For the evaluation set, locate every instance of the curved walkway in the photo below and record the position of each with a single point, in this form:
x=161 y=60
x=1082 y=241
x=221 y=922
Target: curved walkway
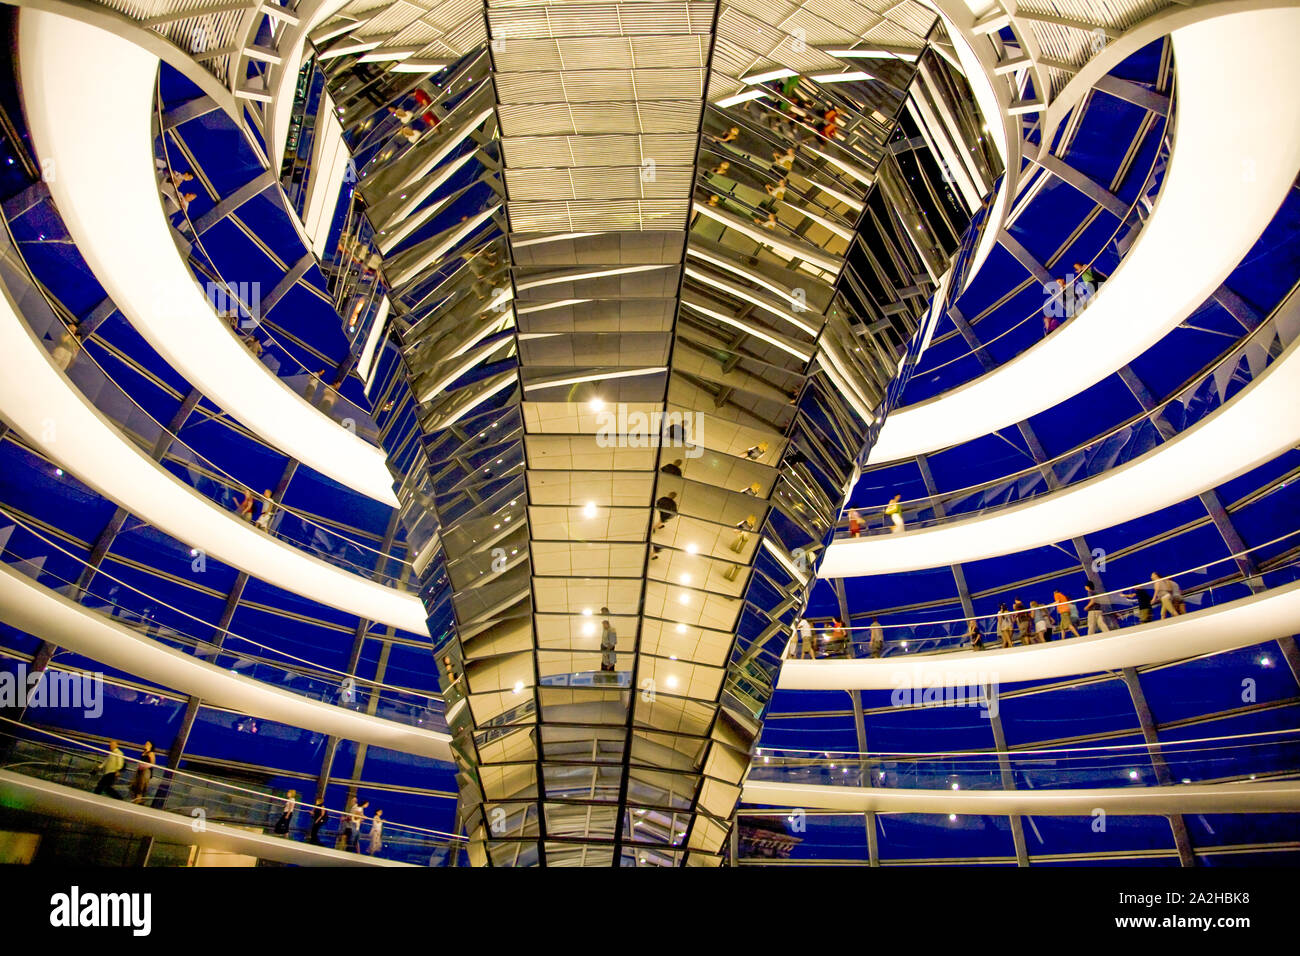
x=42 y=405
x=1236 y=156
x=52 y=617
x=1281 y=797
x=1259 y=423
x=1248 y=621
x=98 y=152
x=42 y=796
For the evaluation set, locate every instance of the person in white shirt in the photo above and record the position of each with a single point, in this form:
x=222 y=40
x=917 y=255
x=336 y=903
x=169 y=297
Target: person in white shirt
x=268 y=512
x=355 y=820
x=804 y=629
x=286 y=815
x=877 y=638
x=376 y=833
x=1168 y=594
x=1004 y=625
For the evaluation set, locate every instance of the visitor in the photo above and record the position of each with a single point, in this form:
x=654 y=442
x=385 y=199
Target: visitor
x=877 y=638
x=143 y=773
x=1096 y=609
x=667 y=506
x=1004 y=625
x=66 y=349
x=894 y=511
x=974 y=635
x=673 y=468
x=244 y=508
x=1168 y=594
x=1065 y=614
x=855 y=523
x=1054 y=308
x=1022 y=620
x=318 y=817
x=1042 y=625
x=839 y=635
x=608 y=647
x=756 y=452
x=1143 y=598
x=108 y=769
x=354 y=821
x=805 y=632
x=268 y=512
x=286 y=815
x=377 y=833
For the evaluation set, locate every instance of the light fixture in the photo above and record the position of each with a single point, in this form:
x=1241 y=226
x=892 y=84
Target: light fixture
x=596 y=404
x=692 y=548
x=681 y=628
x=740 y=98
x=589 y=629
x=519 y=686
x=1132 y=774
x=777 y=74
x=850 y=77
x=686 y=579
x=952 y=818
x=589 y=510
x=586 y=612
x=671 y=682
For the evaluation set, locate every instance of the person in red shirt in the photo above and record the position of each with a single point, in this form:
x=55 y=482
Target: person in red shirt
x=423 y=99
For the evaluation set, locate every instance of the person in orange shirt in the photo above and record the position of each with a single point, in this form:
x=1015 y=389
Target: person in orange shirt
x=1064 y=612
x=855 y=523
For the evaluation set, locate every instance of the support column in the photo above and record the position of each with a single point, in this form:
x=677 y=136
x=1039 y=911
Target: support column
x=1163 y=778
x=1007 y=777
x=864 y=768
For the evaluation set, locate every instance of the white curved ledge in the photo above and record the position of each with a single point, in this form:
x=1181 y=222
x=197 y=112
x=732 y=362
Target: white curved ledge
x=28 y=606
x=1251 y=620
x=1235 y=157
x=1259 y=423
x=98 y=154
x=1281 y=797
x=51 y=413
x=43 y=796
